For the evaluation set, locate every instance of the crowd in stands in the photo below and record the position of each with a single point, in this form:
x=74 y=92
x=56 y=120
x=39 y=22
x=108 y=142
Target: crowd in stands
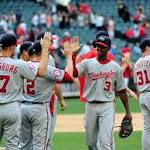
x=140 y=24
x=77 y=14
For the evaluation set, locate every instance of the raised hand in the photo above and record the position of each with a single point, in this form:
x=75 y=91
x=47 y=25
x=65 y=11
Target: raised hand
x=75 y=44
x=46 y=41
x=126 y=59
x=67 y=49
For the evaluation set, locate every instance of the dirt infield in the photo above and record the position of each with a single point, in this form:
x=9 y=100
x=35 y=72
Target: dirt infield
x=74 y=123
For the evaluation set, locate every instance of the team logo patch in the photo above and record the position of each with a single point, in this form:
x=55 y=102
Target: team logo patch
x=57 y=73
x=31 y=66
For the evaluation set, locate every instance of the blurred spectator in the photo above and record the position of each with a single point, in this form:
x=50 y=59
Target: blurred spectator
x=129 y=34
x=55 y=20
x=142 y=30
x=64 y=23
x=136 y=31
x=99 y=22
x=3 y=23
x=92 y=19
x=81 y=20
x=111 y=27
x=123 y=11
x=48 y=20
x=20 y=31
x=42 y=19
x=35 y=20
x=85 y=48
x=18 y=16
x=126 y=15
x=67 y=37
x=62 y=5
x=139 y=6
x=84 y=8
x=126 y=49
x=73 y=16
x=121 y=8
x=139 y=16
x=113 y=50
x=31 y=36
x=136 y=49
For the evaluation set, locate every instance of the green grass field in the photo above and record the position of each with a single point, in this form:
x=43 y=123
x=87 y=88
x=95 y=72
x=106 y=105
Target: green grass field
x=76 y=141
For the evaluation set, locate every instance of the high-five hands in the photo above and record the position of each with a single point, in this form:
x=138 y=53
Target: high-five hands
x=46 y=41
x=71 y=47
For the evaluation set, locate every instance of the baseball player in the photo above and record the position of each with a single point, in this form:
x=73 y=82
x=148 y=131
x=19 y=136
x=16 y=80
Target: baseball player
x=142 y=81
x=35 y=113
x=12 y=73
x=91 y=54
x=24 y=50
x=103 y=77
x=54 y=98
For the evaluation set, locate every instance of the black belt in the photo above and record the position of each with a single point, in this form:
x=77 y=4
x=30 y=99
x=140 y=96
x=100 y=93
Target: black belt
x=27 y=102
x=97 y=102
x=145 y=91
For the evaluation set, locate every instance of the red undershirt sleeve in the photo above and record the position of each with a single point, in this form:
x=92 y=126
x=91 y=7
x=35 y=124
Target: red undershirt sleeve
x=75 y=71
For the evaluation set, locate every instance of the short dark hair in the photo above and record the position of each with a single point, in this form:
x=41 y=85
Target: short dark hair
x=144 y=43
x=24 y=46
x=36 y=49
x=40 y=35
x=7 y=40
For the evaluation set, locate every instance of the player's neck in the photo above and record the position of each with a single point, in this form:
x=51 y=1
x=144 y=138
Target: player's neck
x=35 y=58
x=146 y=53
x=103 y=60
x=5 y=53
x=23 y=58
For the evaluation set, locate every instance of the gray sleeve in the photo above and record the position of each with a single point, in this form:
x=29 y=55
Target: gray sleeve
x=81 y=67
x=51 y=61
x=134 y=75
x=28 y=70
x=120 y=83
x=54 y=73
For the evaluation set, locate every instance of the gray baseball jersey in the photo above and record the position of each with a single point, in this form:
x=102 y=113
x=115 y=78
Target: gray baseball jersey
x=101 y=82
x=101 y=79
x=142 y=74
x=12 y=73
x=51 y=61
x=35 y=114
x=142 y=81
x=40 y=89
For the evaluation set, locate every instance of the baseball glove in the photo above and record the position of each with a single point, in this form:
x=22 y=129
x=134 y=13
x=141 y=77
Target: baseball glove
x=126 y=128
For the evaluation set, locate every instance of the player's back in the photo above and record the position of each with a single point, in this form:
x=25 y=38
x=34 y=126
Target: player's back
x=41 y=89
x=12 y=73
x=142 y=74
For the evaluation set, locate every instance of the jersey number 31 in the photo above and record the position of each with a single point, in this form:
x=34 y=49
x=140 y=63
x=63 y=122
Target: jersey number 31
x=142 y=77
